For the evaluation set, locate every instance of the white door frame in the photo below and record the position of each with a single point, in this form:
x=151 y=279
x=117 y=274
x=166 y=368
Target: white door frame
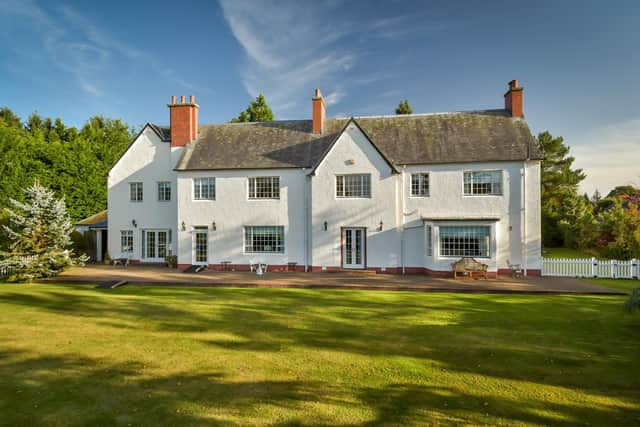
x=145 y=244
x=353 y=247
x=194 y=251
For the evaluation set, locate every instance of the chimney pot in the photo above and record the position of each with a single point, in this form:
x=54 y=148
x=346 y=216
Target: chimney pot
x=513 y=100
x=183 y=121
x=318 y=112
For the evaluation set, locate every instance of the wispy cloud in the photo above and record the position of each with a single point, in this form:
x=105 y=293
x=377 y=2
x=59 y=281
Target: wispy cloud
x=80 y=47
x=292 y=47
x=610 y=156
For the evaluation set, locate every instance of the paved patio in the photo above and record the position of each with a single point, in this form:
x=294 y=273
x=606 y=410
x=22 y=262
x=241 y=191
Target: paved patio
x=157 y=275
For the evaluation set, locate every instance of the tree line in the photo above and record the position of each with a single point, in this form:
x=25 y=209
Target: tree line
x=73 y=162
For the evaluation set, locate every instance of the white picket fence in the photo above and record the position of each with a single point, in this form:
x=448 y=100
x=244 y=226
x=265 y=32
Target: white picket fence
x=591 y=267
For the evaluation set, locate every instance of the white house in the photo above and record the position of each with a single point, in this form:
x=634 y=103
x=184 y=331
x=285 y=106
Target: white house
x=398 y=194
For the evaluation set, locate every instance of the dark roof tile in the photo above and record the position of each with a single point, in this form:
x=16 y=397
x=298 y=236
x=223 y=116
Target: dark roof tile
x=411 y=139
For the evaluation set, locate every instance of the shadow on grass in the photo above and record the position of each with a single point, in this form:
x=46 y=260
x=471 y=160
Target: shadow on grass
x=582 y=343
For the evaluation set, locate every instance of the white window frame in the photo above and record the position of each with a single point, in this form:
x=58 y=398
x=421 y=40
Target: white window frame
x=139 y=195
x=274 y=181
x=421 y=177
x=493 y=191
x=245 y=244
x=197 y=188
x=343 y=177
x=489 y=243
x=128 y=236
x=162 y=191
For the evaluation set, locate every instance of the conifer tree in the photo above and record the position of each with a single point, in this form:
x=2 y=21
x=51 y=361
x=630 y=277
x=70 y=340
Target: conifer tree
x=39 y=231
x=404 y=107
x=257 y=111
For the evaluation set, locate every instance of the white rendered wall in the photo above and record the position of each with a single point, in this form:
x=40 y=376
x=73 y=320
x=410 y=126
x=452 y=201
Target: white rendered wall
x=382 y=247
x=148 y=160
x=533 y=215
x=232 y=210
x=446 y=200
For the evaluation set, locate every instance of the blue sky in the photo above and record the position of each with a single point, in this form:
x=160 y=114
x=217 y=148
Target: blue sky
x=578 y=62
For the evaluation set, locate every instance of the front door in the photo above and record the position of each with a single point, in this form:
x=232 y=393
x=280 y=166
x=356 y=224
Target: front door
x=200 y=246
x=353 y=247
x=155 y=245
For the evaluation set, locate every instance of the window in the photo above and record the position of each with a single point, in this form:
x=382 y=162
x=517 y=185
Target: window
x=126 y=241
x=135 y=190
x=264 y=239
x=484 y=182
x=204 y=188
x=419 y=184
x=353 y=185
x=164 y=191
x=264 y=187
x=429 y=241
x=459 y=241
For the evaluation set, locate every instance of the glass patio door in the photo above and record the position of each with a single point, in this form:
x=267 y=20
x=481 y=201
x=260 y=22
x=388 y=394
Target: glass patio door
x=200 y=246
x=353 y=248
x=155 y=245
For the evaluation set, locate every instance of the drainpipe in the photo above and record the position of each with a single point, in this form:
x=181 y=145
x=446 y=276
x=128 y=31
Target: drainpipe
x=524 y=219
x=402 y=232
x=306 y=220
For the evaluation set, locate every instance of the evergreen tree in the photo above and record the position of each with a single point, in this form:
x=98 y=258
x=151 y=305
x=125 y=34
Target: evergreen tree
x=559 y=187
x=257 y=111
x=39 y=231
x=404 y=107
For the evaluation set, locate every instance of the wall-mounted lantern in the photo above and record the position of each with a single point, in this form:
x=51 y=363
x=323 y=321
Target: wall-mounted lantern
x=134 y=223
x=213 y=226
x=184 y=227
x=326 y=226
x=380 y=227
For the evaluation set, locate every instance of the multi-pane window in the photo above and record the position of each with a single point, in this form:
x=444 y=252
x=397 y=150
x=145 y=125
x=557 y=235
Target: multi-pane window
x=264 y=187
x=419 y=184
x=353 y=185
x=164 y=191
x=135 y=191
x=204 y=188
x=126 y=241
x=429 y=232
x=201 y=244
x=459 y=241
x=265 y=239
x=483 y=182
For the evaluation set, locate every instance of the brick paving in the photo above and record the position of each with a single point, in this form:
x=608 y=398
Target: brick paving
x=158 y=275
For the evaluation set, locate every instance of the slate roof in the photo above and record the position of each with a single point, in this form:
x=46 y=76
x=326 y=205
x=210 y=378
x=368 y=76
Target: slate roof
x=411 y=139
x=164 y=132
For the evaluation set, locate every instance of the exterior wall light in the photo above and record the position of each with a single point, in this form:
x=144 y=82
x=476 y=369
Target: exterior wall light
x=213 y=226
x=184 y=227
x=326 y=226
x=134 y=223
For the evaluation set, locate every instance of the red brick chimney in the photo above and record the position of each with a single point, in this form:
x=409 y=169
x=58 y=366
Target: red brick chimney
x=183 y=121
x=318 y=112
x=513 y=99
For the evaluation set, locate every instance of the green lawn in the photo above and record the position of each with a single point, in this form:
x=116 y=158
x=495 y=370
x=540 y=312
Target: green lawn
x=623 y=285
x=74 y=355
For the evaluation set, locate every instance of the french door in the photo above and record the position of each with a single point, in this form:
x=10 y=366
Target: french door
x=200 y=246
x=156 y=245
x=353 y=247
